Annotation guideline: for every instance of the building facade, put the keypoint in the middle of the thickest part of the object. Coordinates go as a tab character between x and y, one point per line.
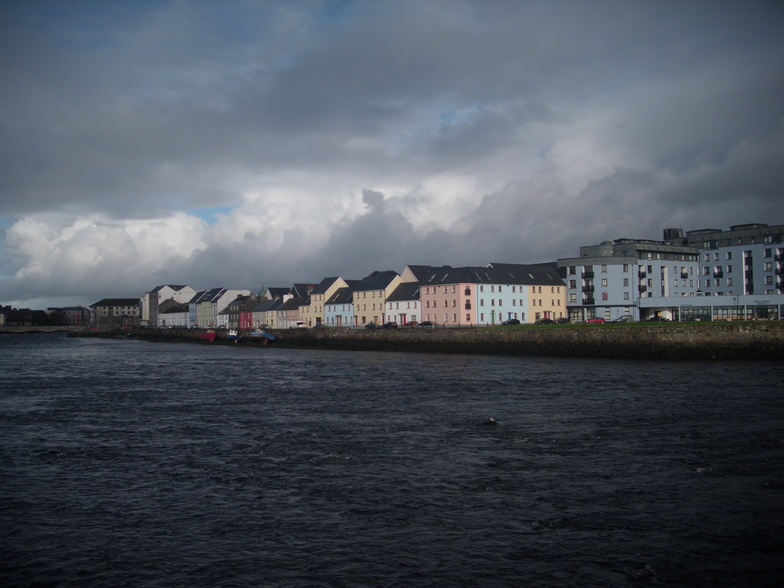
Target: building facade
608	280
745	260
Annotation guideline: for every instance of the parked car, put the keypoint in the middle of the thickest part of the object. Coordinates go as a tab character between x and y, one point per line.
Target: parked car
627	318
371	326
563	321
594	320
389	325
411	324
298	325
510	322
544	321
425	324
658	319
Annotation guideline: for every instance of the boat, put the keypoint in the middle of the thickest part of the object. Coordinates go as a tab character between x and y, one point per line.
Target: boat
263	334
208	336
233	336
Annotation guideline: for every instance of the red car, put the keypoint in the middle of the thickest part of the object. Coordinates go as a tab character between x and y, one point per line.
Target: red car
595	320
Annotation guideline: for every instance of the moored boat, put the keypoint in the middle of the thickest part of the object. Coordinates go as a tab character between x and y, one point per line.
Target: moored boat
208	336
263	334
233	336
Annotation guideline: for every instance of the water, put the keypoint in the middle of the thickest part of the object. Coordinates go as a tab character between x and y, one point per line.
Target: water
127	463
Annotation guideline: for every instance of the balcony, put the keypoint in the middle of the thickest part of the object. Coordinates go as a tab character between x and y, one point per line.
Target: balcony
642	274
780	271
588	275
684	275
718	274
468	306
588	289
589	301
642	288
468	291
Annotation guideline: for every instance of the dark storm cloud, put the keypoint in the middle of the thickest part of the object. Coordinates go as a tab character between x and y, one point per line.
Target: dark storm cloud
512	131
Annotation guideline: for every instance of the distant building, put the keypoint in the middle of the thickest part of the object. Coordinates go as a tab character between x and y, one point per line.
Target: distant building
113	313
152	300
745	260
609	279
491	294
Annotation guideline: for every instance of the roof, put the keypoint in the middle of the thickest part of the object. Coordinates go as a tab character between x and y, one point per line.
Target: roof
324	285
291	304
375	281
405	291
498	273
177	308
342	296
116	302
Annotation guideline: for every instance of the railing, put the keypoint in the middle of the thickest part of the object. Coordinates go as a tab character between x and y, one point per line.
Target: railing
718	274
588	288
642	288
587	275
468	306
589	301
684	275
642	274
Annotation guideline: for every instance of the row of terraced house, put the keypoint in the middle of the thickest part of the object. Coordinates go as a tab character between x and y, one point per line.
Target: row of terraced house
707	274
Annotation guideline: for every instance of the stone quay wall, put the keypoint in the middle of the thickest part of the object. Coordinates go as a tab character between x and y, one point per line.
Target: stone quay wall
758	340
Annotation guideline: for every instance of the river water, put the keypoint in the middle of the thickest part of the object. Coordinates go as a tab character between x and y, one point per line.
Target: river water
128	463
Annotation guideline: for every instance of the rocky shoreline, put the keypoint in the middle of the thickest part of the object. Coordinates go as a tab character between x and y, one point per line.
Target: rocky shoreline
758	340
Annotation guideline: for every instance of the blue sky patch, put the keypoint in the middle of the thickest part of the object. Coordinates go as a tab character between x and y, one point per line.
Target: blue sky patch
210	215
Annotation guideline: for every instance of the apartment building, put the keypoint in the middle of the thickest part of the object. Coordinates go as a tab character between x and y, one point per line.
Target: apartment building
608	280
745	260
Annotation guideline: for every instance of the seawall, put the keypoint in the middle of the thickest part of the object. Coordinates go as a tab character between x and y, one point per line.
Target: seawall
759	340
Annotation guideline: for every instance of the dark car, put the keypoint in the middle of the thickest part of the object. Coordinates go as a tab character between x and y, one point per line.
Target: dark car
425	324
371	326
389	325
658	319
545	321
563	321
510	322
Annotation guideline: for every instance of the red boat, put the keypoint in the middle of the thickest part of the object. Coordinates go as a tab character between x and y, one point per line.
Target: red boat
208	336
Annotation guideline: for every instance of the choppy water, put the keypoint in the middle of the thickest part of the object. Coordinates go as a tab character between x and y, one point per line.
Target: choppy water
126	463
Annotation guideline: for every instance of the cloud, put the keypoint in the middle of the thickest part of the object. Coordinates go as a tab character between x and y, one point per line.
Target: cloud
338	141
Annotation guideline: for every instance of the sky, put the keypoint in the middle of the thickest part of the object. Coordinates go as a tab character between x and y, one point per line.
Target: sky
245	144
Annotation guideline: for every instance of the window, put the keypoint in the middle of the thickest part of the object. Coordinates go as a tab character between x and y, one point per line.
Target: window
572	297
626	282
533	301
492	302
572	283
626	267
604	282
716	256
768	266
604	269
481	288
604	296
729	254
768	280
572	270
626	296
481	302
729	281
729	269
